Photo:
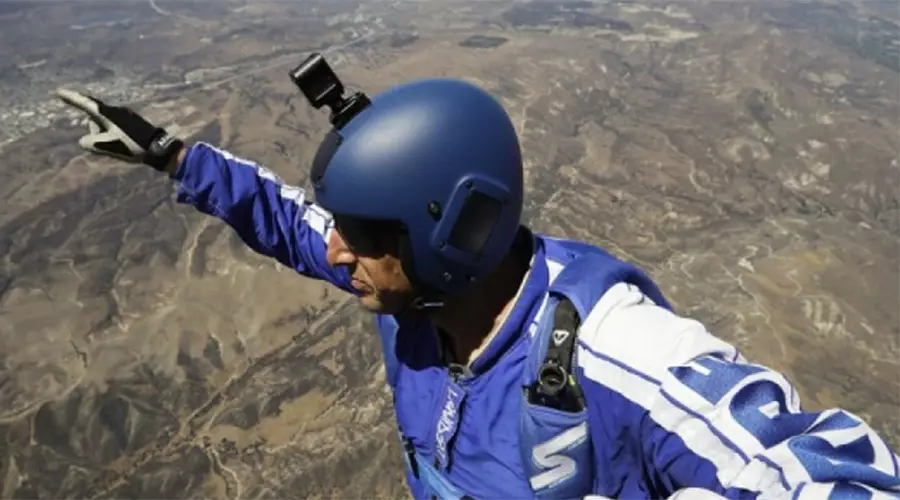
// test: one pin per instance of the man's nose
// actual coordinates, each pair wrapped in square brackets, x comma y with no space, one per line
[338,253]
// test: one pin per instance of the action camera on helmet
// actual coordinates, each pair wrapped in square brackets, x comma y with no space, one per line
[322,87]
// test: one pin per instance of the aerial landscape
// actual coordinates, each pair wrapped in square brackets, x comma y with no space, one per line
[744,153]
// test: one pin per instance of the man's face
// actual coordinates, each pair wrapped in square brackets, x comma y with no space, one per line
[371,252]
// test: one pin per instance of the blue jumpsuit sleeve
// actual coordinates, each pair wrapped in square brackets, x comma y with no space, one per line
[681,414]
[774,446]
[271,217]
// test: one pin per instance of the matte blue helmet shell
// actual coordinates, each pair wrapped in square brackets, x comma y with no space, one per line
[441,156]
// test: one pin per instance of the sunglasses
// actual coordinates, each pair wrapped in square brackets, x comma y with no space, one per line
[368,236]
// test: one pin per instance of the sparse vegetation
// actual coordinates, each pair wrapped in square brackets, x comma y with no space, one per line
[743,153]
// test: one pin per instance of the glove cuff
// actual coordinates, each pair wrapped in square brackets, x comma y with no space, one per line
[161,150]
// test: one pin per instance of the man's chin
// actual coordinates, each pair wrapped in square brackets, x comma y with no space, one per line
[374,304]
[370,302]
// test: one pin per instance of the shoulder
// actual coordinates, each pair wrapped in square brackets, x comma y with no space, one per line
[627,334]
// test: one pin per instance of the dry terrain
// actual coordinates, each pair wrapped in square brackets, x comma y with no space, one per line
[744,153]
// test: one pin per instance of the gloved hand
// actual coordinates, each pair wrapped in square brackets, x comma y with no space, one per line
[120,133]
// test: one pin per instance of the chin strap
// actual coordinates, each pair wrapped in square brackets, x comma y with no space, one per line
[425,299]
[422,303]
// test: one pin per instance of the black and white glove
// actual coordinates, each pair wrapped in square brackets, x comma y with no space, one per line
[120,133]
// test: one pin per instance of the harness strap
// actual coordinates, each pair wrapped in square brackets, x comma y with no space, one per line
[555,385]
[432,478]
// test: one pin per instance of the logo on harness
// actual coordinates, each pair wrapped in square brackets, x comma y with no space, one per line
[560,336]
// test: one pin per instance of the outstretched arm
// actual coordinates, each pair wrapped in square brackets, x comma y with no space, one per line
[693,417]
[271,217]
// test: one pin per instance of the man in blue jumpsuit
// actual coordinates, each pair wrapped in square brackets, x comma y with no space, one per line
[418,198]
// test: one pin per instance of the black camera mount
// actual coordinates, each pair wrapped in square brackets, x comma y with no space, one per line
[322,87]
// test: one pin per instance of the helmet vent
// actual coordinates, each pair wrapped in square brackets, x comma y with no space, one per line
[475,223]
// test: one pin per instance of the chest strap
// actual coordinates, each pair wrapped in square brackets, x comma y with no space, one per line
[436,482]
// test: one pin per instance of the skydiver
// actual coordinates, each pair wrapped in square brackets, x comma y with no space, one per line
[521,365]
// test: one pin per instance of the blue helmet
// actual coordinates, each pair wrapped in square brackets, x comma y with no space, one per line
[440,157]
